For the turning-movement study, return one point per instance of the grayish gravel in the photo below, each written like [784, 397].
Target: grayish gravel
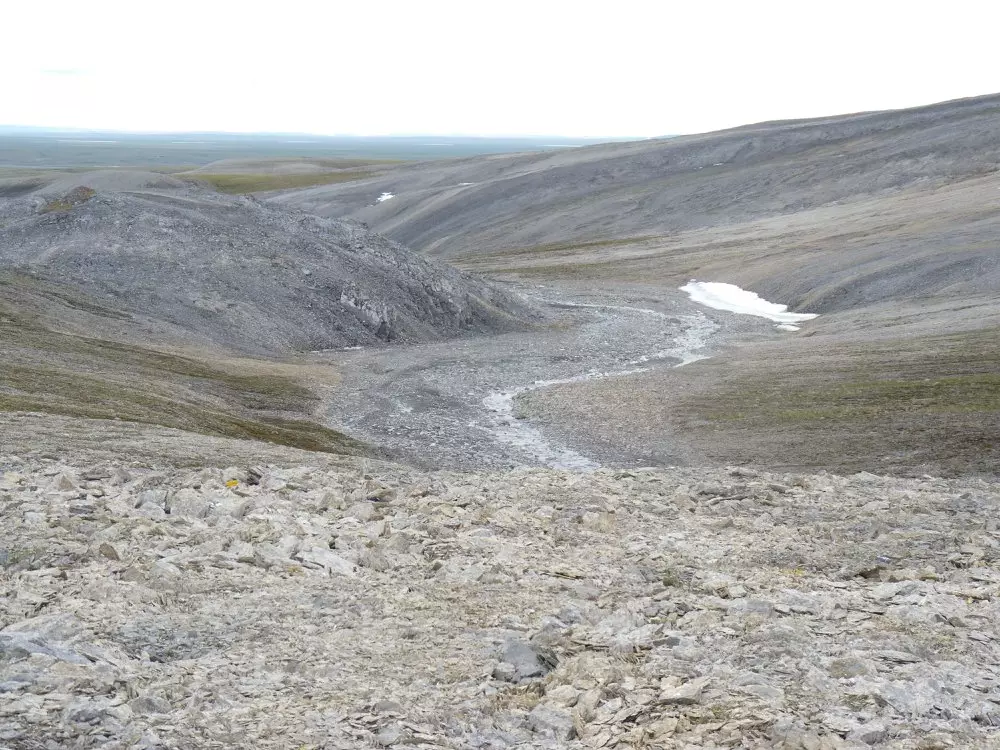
[454, 405]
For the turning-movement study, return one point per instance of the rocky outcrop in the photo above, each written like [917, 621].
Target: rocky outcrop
[235, 272]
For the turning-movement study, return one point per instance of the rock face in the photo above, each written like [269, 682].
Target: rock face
[233, 271]
[374, 605]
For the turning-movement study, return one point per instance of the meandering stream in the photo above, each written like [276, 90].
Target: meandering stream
[529, 439]
[452, 404]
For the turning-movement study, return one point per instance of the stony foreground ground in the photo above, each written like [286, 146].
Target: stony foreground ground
[378, 606]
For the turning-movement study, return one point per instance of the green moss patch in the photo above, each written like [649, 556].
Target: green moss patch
[74, 197]
[930, 401]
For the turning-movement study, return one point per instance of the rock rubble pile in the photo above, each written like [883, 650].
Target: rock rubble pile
[209, 268]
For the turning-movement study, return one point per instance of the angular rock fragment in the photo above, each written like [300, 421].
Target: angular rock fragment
[687, 694]
[549, 721]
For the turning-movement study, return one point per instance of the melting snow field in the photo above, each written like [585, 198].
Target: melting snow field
[720, 296]
[384, 197]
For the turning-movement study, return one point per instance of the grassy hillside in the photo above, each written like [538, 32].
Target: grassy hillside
[251, 182]
[919, 402]
[49, 370]
[930, 401]
[239, 176]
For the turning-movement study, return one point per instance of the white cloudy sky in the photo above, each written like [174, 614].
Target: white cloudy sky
[487, 67]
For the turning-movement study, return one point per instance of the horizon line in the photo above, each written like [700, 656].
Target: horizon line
[120, 131]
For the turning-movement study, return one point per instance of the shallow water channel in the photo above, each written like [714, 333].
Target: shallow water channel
[452, 405]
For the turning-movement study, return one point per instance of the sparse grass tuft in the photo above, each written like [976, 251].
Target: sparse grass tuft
[517, 698]
[73, 198]
[670, 578]
[239, 183]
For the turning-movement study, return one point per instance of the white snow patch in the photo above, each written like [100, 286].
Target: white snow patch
[384, 197]
[720, 296]
[787, 327]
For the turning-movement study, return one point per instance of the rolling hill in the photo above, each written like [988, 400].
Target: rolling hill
[827, 213]
[134, 296]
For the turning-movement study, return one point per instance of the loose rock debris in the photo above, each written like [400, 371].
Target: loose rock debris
[341, 608]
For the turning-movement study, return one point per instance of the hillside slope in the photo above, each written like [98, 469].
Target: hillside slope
[140, 301]
[237, 273]
[660, 198]
[374, 606]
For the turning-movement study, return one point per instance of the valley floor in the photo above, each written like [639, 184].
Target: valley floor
[629, 375]
[640, 523]
[455, 405]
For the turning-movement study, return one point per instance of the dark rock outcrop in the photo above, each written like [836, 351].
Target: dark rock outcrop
[239, 273]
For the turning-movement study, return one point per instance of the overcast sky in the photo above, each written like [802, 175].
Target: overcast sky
[597, 68]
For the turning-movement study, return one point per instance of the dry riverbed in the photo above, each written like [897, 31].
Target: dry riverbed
[454, 405]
